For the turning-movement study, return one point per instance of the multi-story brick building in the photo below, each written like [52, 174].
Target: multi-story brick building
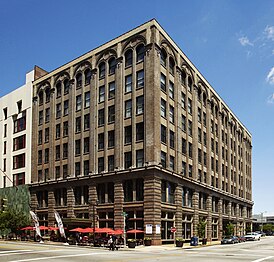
[132, 126]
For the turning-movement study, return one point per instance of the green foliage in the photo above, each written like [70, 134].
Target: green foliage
[268, 227]
[201, 227]
[147, 238]
[229, 230]
[131, 240]
[179, 239]
[248, 228]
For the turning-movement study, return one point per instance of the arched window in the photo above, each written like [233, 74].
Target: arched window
[58, 89]
[112, 65]
[102, 70]
[140, 53]
[189, 84]
[163, 57]
[204, 99]
[183, 77]
[41, 98]
[199, 94]
[79, 80]
[47, 94]
[128, 58]
[171, 65]
[87, 76]
[66, 86]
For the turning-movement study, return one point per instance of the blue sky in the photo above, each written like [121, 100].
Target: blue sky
[231, 43]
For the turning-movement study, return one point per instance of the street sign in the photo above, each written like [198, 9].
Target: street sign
[173, 229]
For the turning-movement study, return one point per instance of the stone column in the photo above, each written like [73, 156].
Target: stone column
[92, 208]
[237, 220]
[195, 133]
[195, 200]
[179, 211]
[70, 202]
[118, 205]
[71, 129]
[209, 218]
[51, 205]
[34, 157]
[208, 138]
[220, 219]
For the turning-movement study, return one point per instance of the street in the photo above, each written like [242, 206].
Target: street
[249, 251]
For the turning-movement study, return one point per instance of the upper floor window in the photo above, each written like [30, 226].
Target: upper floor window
[128, 108]
[189, 84]
[79, 80]
[140, 83]
[163, 82]
[87, 76]
[171, 90]
[66, 86]
[128, 83]
[128, 58]
[171, 65]
[112, 65]
[140, 53]
[20, 124]
[58, 89]
[47, 95]
[163, 57]
[101, 94]
[183, 77]
[102, 70]
[139, 105]
[78, 102]
[19, 106]
[41, 98]
[5, 111]
[19, 161]
[111, 90]
[19, 179]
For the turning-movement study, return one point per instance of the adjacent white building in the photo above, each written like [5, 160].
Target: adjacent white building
[15, 135]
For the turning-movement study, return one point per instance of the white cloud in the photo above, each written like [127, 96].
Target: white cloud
[270, 76]
[244, 41]
[270, 99]
[269, 31]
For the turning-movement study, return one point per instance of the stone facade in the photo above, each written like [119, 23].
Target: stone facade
[133, 129]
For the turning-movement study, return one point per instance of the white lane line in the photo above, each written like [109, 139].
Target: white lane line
[262, 259]
[13, 251]
[56, 257]
[21, 252]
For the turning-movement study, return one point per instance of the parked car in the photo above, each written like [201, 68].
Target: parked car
[252, 236]
[230, 240]
[241, 239]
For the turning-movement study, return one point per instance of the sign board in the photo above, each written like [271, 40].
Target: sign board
[158, 229]
[173, 229]
[148, 229]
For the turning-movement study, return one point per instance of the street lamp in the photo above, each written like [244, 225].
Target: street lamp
[262, 225]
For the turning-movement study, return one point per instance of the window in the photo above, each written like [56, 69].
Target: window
[79, 80]
[5, 130]
[100, 164]
[86, 121]
[183, 100]
[65, 171]
[140, 79]
[41, 117]
[139, 105]
[5, 147]
[183, 123]
[101, 141]
[46, 135]
[66, 107]
[128, 58]
[78, 102]
[101, 117]
[5, 111]
[204, 138]
[78, 124]
[102, 70]
[189, 84]
[86, 145]
[57, 152]
[163, 159]
[65, 150]
[171, 114]
[40, 137]
[87, 99]
[19, 161]
[163, 108]
[171, 139]
[204, 118]
[199, 135]
[163, 57]
[189, 106]
[46, 155]
[111, 163]
[19, 179]
[66, 86]
[199, 155]
[189, 128]
[41, 98]
[128, 108]
[199, 114]
[140, 53]
[47, 95]
[128, 160]
[65, 128]
[47, 116]
[19, 106]
[140, 158]
[77, 147]
[128, 83]
[171, 65]
[57, 172]
[77, 169]
[172, 162]
[101, 94]
[189, 170]
[171, 90]
[128, 190]
[87, 76]
[19, 142]
[183, 146]
[140, 131]
[40, 157]
[58, 110]
[111, 90]
[112, 65]
[163, 82]
[128, 134]
[190, 150]
[111, 138]
[86, 167]
[183, 168]
[163, 134]
[20, 124]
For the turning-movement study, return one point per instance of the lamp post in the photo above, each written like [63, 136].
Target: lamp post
[262, 216]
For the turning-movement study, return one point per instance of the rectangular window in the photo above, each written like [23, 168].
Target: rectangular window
[47, 135]
[183, 123]
[163, 134]
[86, 122]
[139, 105]
[189, 170]
[20, 124]
[40, 157]
[190, 150]
[189, 128]
[205, 159]
[47, 116]
[128, 83]
[101, 94]
[171, 139]
[86, 145]
[101, 117]
[163, 159]
[171, 162]
[40, 137]
[128, 108]
[111, 138]
[111, 90]
[111, 163]
[111, 114]
[65, 171]
[86, 167]
[57, 152]
[19, 161]
[101, 164]
[19, 179]
[101, 141]
[183, 146]
[5, 130]
[65, 150]
[204, 118]
[140, 158]
[58, 110]
[128, 160]
[204, 138]
[140, 79]
[171, 90]
[19, 142]
[163, 82]
[128, 134]
[78, 124]
[78, 102]
[46, 155]
[5, 111]
[171, 114]
[41, 117]
[140, 131]
[77, 147]
[199, 155]
[163, 108]
[65, 128]
[87, 99]
[66, 107]
[57, 172]
[183, 168]
[183, 100]
[189, 106]
[77, 169]
[199, 135]
[199, 114]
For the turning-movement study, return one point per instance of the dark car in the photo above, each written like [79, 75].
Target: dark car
[230, 240]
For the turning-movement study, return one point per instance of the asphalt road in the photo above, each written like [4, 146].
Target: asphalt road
[249, 251]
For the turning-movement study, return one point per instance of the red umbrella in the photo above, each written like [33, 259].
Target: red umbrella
[43, 228]
[77, 229]
[104, 230]
[27, 228]
[118, 232]
[135, 231]
[53, 228]
[87, 230]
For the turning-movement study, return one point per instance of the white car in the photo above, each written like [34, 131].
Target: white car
[252, 236]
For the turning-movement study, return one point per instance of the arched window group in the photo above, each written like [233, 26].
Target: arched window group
[128, 58]
[140, 53]
[79, 80]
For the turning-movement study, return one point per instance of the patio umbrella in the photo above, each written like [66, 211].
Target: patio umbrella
[135, 231]
[118, 232]
[43, 228]
[53, 228]
[87, 230]
[27, 228]
[77, 229]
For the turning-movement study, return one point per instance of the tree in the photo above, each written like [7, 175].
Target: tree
[201, 227]
[229, 230]
[268, 228]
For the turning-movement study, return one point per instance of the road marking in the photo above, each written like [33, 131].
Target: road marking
[262, 259]
[13, 251]
[56, 257]
[21, 252]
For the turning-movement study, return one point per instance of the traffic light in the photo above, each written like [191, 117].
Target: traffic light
[3, 204]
